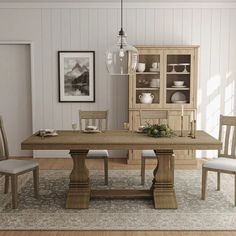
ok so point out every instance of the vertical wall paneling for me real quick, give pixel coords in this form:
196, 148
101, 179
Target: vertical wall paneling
46, 69
159, 26
140, 26
168, 26
224, 59
113, 27
130, 25
55, 47
232, 61
187, 26
213, 83
103, 83
56, 28
178, 25
66, 45
75, 46
150, 26
205, 61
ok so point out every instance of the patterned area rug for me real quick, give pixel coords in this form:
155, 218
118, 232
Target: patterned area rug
48, 212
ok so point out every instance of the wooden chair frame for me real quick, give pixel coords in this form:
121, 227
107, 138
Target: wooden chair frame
228, 121
14, 177
150, 115
91, 118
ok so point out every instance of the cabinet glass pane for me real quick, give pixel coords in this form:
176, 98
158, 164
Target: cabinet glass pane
178, 79
148, 80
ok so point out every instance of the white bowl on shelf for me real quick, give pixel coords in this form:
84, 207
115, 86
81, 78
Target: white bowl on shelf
178, 97
178, 83
141, 67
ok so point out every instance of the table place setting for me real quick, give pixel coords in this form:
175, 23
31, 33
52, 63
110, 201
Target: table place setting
46, 133
91, 129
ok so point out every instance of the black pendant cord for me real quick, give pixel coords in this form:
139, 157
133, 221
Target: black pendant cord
121, 33
121, 15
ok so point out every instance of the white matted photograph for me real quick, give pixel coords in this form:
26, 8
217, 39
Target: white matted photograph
76, 76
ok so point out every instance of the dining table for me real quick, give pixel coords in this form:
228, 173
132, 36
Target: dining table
162, 190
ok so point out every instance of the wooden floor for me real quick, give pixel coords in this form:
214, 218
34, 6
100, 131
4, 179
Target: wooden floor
113, 164
117, 233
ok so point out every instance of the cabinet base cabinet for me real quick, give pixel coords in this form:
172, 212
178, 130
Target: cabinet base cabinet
183, 157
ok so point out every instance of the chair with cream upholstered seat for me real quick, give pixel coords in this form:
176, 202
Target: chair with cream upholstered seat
99, 119
153, 117
12, 168
226, 161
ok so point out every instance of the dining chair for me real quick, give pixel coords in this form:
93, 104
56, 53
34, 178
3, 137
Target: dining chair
226, 161
99, 119
12, 168
152, 117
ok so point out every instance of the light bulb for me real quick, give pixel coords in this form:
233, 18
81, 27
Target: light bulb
121, 54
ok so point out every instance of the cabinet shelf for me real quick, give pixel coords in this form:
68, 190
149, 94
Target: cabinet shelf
177, 88
178, 73
148, 88
148, 73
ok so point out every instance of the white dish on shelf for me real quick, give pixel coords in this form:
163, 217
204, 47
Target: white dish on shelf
178, 96
180, 102
173, 64
179, 83
184, 64
180, 86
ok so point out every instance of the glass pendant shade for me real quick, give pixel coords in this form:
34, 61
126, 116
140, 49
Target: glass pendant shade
122, 58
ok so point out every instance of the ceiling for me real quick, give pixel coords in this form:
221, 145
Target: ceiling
111, 1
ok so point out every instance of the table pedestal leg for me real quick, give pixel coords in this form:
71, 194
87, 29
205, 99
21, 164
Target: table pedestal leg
163, 182
78, 195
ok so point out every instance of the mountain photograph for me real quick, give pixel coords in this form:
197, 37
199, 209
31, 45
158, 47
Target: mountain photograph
76, 77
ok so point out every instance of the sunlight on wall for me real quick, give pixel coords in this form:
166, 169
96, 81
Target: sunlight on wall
229, 95
220, 100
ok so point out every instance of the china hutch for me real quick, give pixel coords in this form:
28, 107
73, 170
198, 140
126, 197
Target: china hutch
166, 79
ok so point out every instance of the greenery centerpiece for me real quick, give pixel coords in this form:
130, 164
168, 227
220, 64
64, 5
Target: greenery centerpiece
158, 130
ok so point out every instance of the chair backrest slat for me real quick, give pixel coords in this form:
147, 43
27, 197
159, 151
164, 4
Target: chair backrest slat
153, 117
100, 124
227, 134
4, 151
93, 121
234, 142
94, 118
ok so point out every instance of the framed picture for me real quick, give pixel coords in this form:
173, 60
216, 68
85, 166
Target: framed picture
76, 76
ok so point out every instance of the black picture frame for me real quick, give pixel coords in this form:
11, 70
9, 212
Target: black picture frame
76, 74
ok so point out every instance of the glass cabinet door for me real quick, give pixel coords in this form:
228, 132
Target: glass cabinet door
178, 77
147, 83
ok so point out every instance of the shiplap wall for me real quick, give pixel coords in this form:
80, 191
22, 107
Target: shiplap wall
52, 29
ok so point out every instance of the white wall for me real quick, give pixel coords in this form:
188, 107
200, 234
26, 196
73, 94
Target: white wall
15, 95
55, 27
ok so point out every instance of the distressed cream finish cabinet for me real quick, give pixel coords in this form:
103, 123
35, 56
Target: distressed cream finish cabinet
175, 63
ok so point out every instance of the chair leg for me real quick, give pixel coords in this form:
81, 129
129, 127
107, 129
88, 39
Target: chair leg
14, 191
6, 186
106, 170
218, 181
36, 181
204, 183
142, 170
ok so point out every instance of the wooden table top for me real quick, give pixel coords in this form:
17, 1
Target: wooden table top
115, 140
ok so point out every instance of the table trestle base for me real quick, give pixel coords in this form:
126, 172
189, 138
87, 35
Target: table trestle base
79, 192
121, 194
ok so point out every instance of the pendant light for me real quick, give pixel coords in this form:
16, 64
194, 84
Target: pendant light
122, 58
